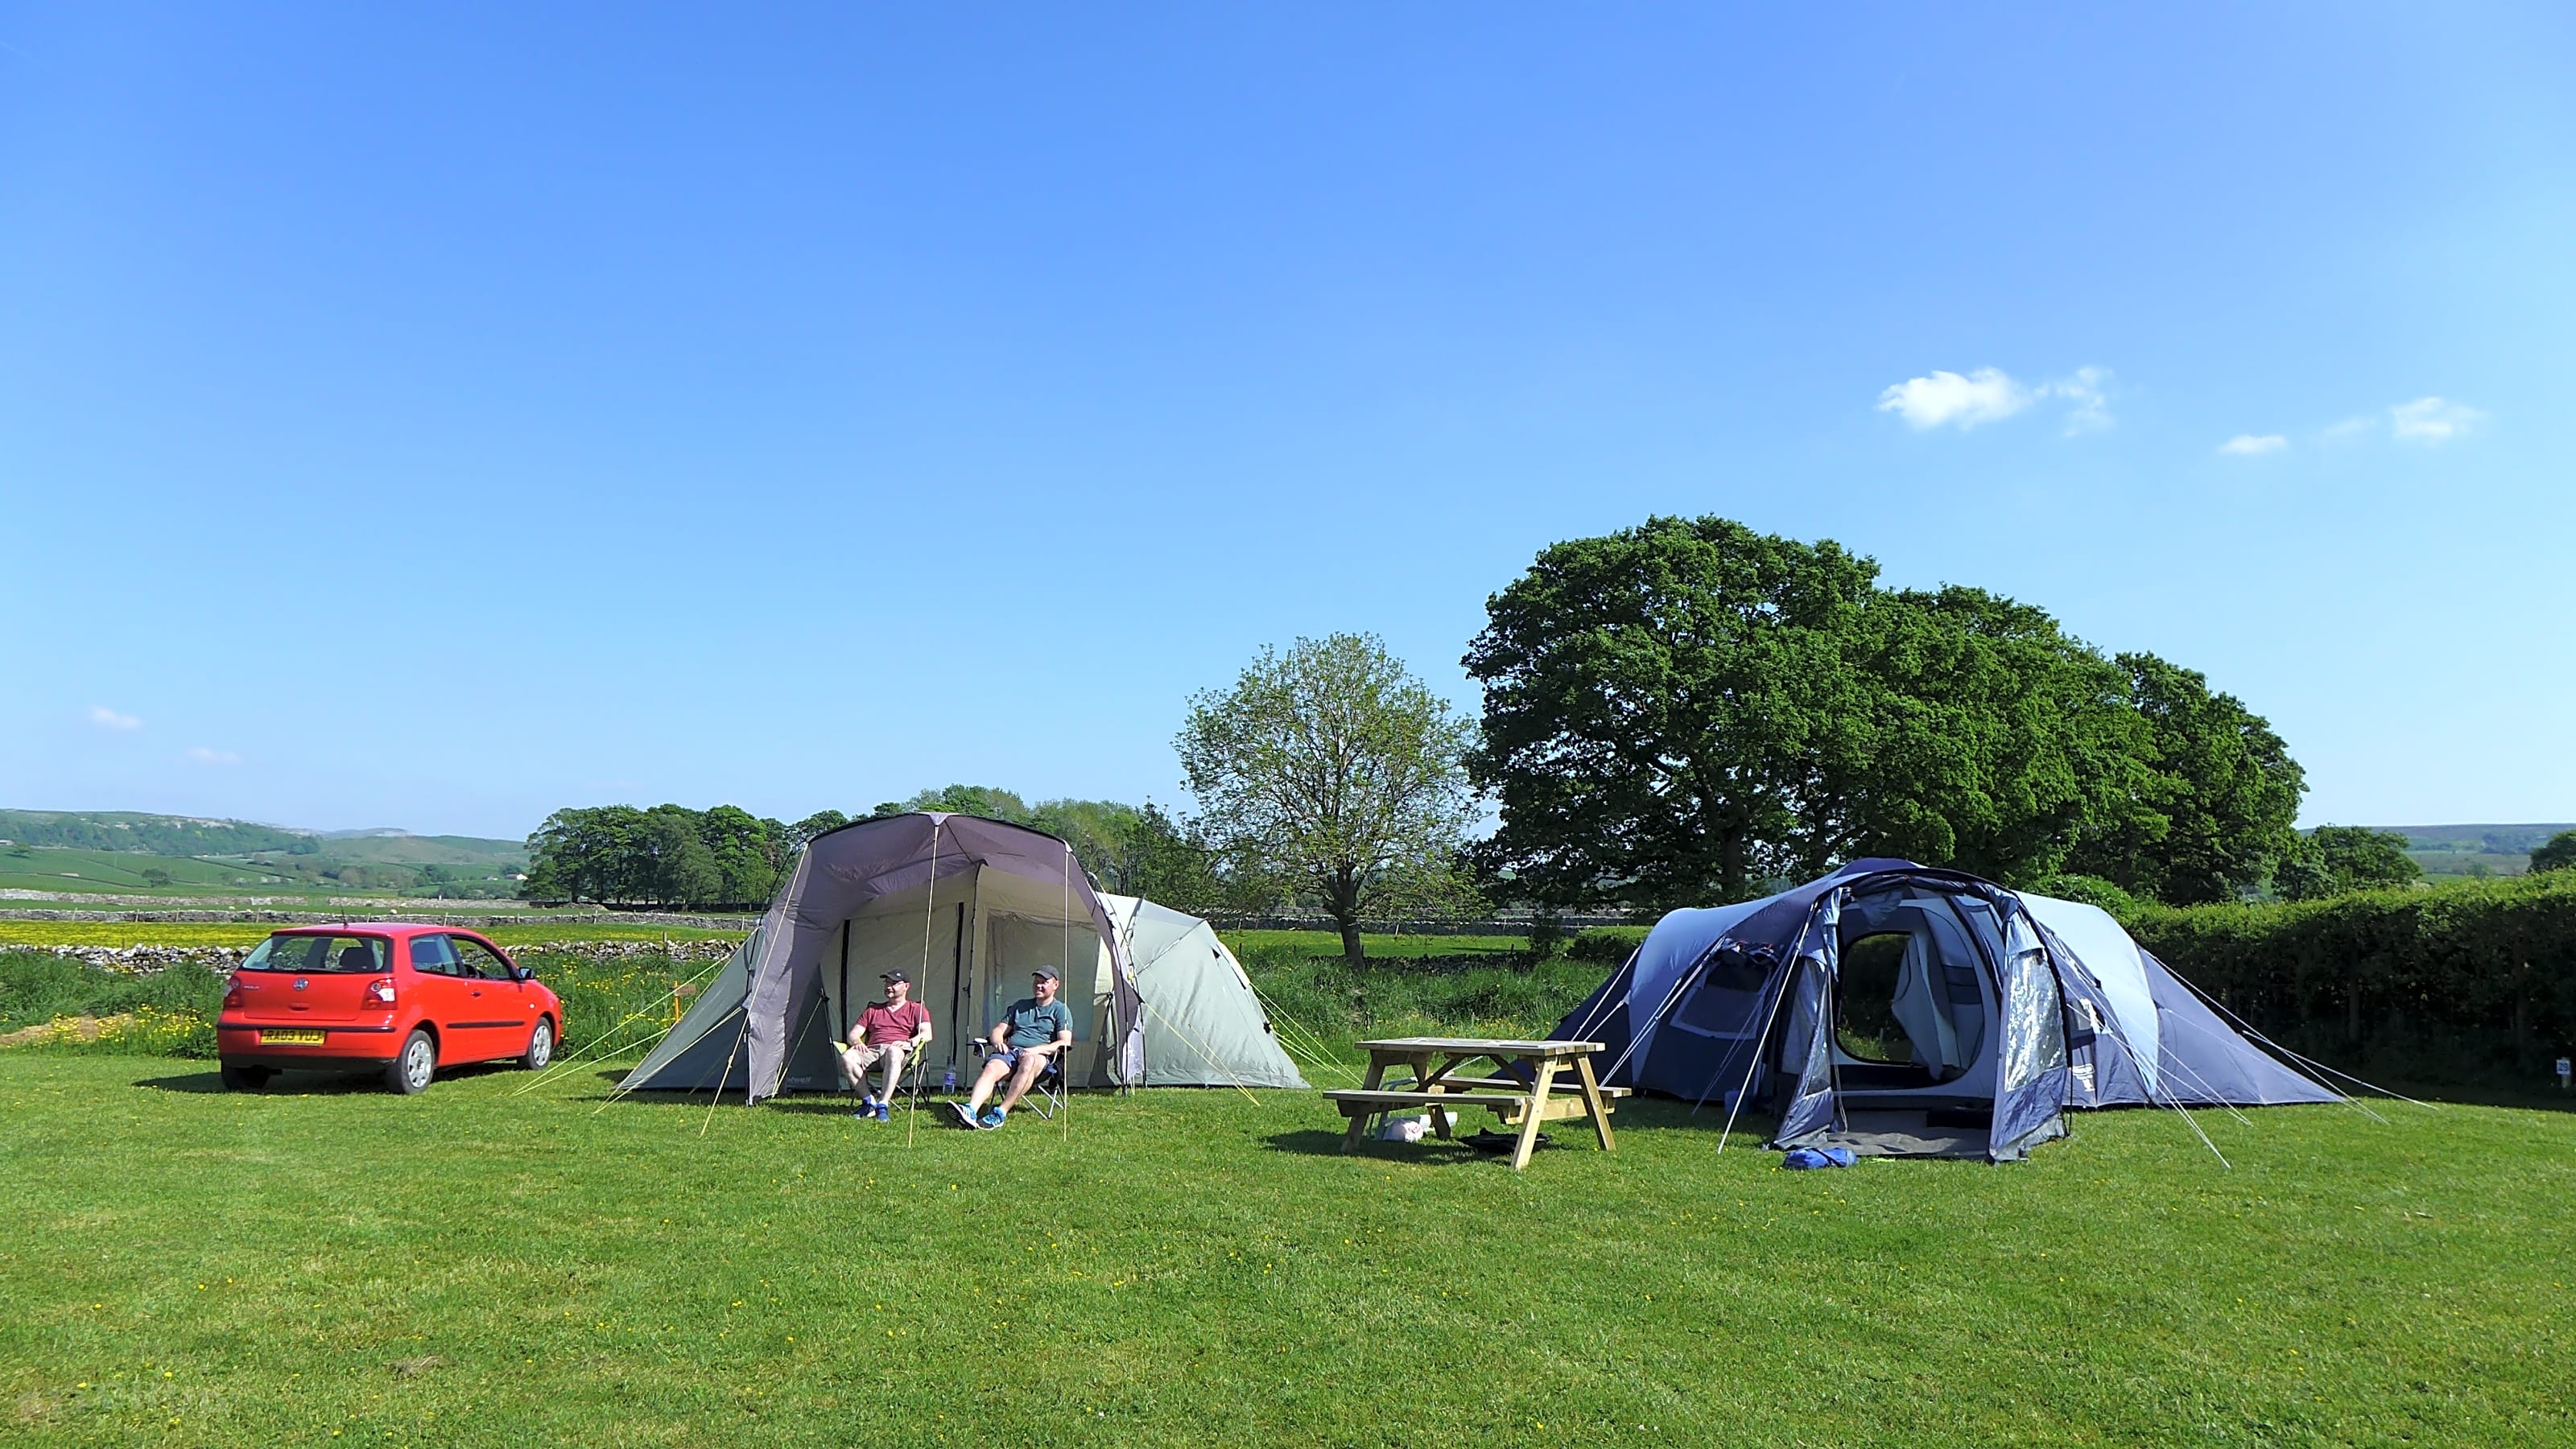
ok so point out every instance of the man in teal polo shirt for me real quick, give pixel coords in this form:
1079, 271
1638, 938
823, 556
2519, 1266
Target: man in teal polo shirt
1036, 1028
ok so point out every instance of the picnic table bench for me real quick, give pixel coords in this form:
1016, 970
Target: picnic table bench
1435, 1060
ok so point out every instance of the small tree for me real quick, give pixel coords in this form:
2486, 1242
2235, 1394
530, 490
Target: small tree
1333, 767
2558, 854
2334, 859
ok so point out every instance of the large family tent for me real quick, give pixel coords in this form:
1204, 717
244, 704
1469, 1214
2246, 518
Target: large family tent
1204, 1026
1899, 1010
968, 907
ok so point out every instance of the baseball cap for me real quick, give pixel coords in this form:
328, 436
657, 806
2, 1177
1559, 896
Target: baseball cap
1048, 972
896, 976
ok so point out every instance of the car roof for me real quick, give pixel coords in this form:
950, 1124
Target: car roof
377, 928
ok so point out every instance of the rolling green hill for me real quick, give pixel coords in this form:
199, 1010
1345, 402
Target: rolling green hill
122, 852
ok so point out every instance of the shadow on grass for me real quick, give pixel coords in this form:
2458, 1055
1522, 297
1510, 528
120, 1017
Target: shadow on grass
1326, 1142
310, 1083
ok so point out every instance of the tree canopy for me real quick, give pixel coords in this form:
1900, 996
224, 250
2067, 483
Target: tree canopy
2221, 794
2557, 853
1334, 770
668, 856
2334, 859
1690, 710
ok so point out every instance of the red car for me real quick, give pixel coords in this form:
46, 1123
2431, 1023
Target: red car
403, 999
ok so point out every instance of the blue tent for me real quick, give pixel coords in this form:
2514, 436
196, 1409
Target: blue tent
1900, 1009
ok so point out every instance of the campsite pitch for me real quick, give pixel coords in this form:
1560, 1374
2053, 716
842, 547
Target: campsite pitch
333, 1265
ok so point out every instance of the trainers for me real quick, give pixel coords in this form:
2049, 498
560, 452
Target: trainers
883, 1112
965, 1117
992, 1119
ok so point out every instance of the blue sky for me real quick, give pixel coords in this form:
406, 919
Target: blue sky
433, 419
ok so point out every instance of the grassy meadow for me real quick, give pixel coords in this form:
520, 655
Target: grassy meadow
510, 1257
484, 1264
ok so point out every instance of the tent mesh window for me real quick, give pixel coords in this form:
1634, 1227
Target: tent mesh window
1865, 1024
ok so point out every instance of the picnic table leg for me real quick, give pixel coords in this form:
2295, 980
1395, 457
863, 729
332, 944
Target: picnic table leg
1592, 1099
1360, 1120
1430, 1081
1544, 1073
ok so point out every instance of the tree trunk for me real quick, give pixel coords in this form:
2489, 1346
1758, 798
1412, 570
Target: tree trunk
1342, 902
1731, 865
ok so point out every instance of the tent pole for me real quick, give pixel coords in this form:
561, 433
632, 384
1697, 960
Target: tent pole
1064, 1112
728, 1071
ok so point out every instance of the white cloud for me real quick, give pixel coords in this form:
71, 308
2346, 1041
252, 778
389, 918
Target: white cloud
2432, 420
204, 756
108, 719
1982, 396
2091, 409
1989, 394
2253, 445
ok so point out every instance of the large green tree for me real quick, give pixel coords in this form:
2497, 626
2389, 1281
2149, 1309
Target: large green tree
1661, 707
1332, 767
2219, 799
1685, 710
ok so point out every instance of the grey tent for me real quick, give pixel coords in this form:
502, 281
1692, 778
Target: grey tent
967, 906
1204, 1025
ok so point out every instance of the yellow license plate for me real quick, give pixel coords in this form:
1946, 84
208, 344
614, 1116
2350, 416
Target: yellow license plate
294, 1037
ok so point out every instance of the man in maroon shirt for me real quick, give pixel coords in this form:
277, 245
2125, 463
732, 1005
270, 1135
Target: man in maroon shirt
884, 1035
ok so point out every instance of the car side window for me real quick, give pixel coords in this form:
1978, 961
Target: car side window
480, 961
434, 955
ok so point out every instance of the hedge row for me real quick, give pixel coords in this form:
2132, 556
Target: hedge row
1606, 945
2448, 983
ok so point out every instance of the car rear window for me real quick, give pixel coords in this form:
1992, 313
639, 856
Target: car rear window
311, 954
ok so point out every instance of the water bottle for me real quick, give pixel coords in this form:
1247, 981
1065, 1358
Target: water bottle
948, 1080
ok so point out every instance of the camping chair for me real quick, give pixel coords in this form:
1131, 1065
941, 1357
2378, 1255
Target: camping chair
907, 1084
1047, 1092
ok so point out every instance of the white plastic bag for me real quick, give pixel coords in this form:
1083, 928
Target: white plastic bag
1412, 1127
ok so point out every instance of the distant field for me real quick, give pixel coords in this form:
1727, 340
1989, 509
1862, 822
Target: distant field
1326, 943
49, 868
245, 933
2474, 849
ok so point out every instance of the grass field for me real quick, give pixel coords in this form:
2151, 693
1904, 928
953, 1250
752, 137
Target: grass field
323, 1264
251, 933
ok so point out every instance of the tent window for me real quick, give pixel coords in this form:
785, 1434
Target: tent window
1865, 1024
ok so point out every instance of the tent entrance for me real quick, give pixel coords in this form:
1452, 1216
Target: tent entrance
1914, 998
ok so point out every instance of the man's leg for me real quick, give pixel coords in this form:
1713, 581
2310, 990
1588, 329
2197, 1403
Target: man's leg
994, 1070
892, 1061
855, 1061
1031, 1063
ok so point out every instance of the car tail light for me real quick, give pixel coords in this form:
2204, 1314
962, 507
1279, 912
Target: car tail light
232, 993
380, 992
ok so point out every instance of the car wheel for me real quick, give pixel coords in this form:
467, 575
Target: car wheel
541, 1046
245, 1079
414, 1065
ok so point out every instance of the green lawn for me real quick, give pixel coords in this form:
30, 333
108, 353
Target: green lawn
324, 1264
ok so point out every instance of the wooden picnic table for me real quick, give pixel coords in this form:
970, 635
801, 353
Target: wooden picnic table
1435, 1061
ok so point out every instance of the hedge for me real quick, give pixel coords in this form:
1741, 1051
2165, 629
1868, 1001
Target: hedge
2442, 984
1606, 945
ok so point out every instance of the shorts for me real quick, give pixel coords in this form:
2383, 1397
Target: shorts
865, 1058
